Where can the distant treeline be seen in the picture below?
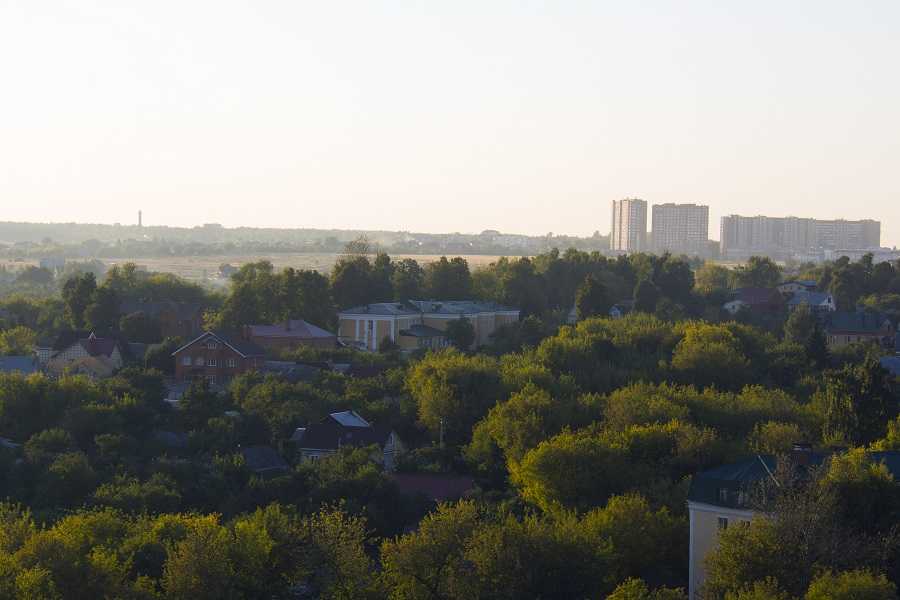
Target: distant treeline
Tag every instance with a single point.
(72, 240)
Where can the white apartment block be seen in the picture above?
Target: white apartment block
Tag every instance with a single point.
(629, 225)
(680, 228)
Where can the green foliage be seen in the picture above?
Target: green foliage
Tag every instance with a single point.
(77, 293)
(460, 333)
(456, 390)
(17, 341)
(856, 403)
(260, 295)
(141, 328)
(646, 296)
(448, 279)
(408, 280)
(591, 299)
(759, 272)
(636, 589)
(851, 585)
(713, 354)
(767, 589)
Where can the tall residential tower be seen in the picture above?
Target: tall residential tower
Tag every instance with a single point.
(629, 225)
(680, 228)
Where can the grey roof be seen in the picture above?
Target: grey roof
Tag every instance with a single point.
(458, 307)
(422, 331)
(332, 434)
(263, 459)
(25, 365)
(740, 476)
(292, 371)
(811, 298)
(293, 329)
(383, 309)
(892, 364)
(431, 307)
(857, 321)
(349, 418)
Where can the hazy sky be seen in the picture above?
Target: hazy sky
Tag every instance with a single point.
(446, 115)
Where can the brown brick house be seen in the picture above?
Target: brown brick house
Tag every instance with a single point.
(289, 335)
(217, 358)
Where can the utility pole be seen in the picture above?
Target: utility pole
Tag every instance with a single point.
(442, 432)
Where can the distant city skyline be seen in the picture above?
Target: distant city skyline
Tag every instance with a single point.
(441, 117)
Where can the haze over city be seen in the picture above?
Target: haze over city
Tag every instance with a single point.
(522, 117)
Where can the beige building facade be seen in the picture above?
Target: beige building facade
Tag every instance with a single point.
(419, 324)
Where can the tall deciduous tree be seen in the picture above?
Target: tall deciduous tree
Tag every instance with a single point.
(78, 292)
(591, 299)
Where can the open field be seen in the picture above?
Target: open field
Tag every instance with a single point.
(203, 267)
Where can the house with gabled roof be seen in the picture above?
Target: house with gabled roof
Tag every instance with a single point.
(85, 353)
(722, 497)
(850, 327)
(342, 429)
(217, 358)
(818, 302)
(263, 460)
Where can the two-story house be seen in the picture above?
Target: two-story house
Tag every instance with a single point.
(343, 429)
(849, 327)
(419, 323)
(818, 302)
(216, 357)
(723, 497)
(84, 353)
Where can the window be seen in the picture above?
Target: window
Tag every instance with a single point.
(186, 361)
(723, 523)
(199, 361)
(211, 345)
(211, 362)
(211, 379)
(723, 494)
(232, 363)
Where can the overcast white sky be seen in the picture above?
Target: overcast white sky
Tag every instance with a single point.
(446, 116)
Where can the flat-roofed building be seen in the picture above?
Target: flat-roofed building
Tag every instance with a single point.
(419, 323)
(680, 228)
(786, 237)
(629, 225)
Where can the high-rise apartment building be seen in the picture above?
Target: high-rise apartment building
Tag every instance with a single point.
(680, 228)
(629, 225)
(783, 237)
